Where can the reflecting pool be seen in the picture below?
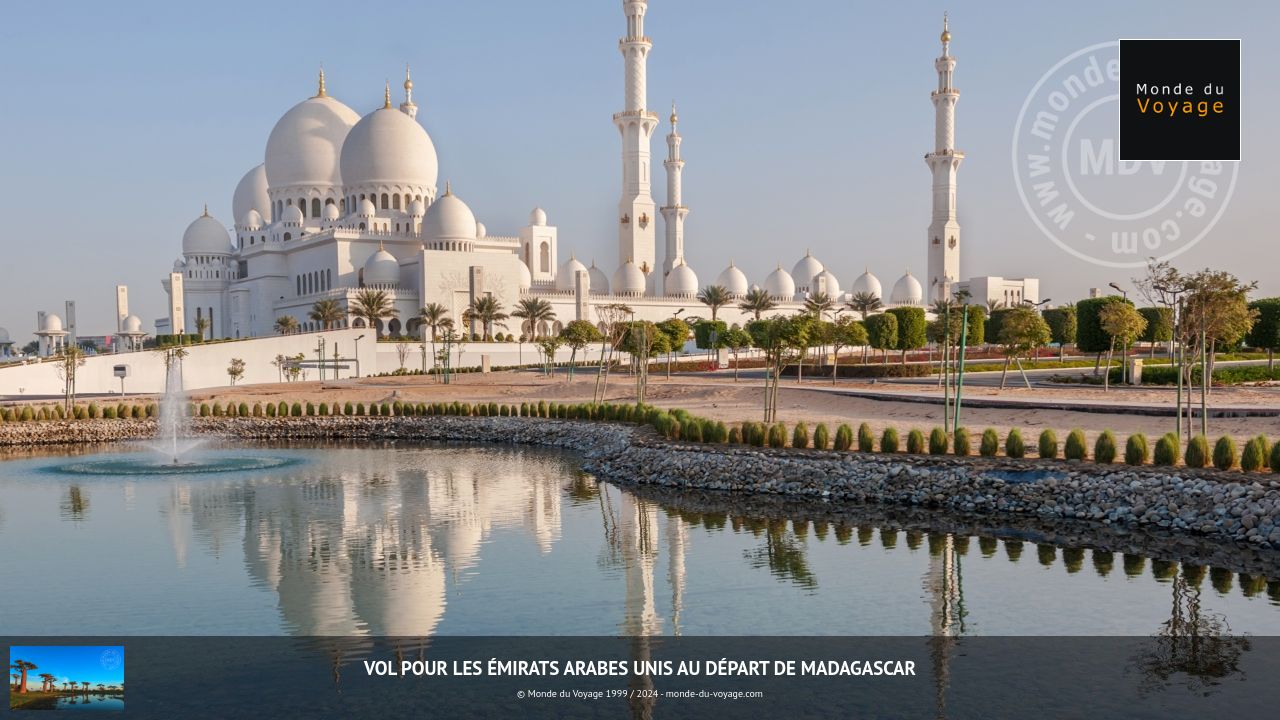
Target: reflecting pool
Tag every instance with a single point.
(410, 540)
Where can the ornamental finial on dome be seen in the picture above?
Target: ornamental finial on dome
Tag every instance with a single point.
(408, 80)
(320, 91)
(674, 118)
(386, 97)
(448, 187)
(206, 210)
(946, 32)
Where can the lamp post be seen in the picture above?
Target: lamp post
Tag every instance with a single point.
(358, 339)
(320, 355)
(1124, 351)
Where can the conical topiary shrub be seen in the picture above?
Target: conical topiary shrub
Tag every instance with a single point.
(1254, 457)
(821, 437)
(889, 441)
(1224, 453)
(1274, 460)
(1047, 446)
(1014, 446)
(1075, 447)
(1197, 452)
(866, 439)
(915, 442)
(800, 436)
(1135, 450)
(1104, 449)
(938, 441)
(778, 436)
(1166, 452)
(961, 444)
(989, 446)
(844, 437)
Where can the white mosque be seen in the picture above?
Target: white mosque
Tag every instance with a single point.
(343, 202)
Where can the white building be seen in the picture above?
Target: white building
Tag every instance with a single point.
(344, 202)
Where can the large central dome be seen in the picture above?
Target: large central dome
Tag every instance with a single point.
(304, 146)
(387, 148)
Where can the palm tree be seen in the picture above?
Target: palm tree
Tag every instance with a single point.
(374, 306)
(286, 324)
(757, 302)
(864, 302)
(818, 305)
(533, 312)
(994, 304)
(432, 316)
(326, 312)
(488, 312)
(202, 326)
(714, 297)
(23, 667)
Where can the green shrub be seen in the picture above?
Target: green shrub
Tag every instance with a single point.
(282, 409)
(778, 436)
(1076, 448)
(1197, 452)
(937, 441)
(1254, 457)
(800, 436)
(204, 410)
(961, 444)
(721, 433)
(231, 410)
(123, 411)
(1224, 453)
(257, 409)
(311, 409)
(218, 410)
(244, 409)
(1014, 446)
(271, 409)
(542, 409)
(693, 432)
(94, 411)
(493, 409)
(386, 409)
(108, 413)
(735, 435)
(866, 439)
(1047, 447)
(361, 411)
(1274, 460)
(915, 441)
(821, 437)
(296, 409)
(889, 440)
(153, 410)
(844, 437)
(1265, 444)
(139, 412)
(348, 408)
(1166, 452)
(1136, 450)
(1104, 449)
(757, 435)
(989, 445)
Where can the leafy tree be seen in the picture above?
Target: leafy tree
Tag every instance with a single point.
(736, 340)
(677, 332)
(864, 302)
(714, 297)
(703, 331)
(68, 363)
(912, 329)
(374, 306)
(845, 332)
(757, 302)
(235, 370)
(882, 332)
(577, 335)
(1062, 326)
(326, 313)
(1122, 323)
(780, 338)
(1090, 337)
(1159, 326)
(1265, 333)
(1022, 332)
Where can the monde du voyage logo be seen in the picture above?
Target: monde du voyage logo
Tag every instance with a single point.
(1126, 150)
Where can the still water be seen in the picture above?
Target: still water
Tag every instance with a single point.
(413, 540)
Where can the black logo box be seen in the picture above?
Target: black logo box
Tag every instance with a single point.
(1187, 68)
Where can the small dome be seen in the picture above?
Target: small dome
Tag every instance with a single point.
(331, 212)
(251, 220)
(805, 270)
(628, 280)
(538, 217)
(305, 144)
(481, 230)
(907, 291)
(4, 335)
(367, 208)
(206, 236)
(733, 280)
(780, 285)
(682, 282)
(417, 208)
(133, 324)
(833, 285)
(526, 277)
(251, 194)
(381, 269)
(179, 264)
(867, 283)
(599, 281)
(568, 274)
(387, 147)
(449, 218)
(52, 324)
(292, 215)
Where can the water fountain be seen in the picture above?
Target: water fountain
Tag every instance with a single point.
(172, 431)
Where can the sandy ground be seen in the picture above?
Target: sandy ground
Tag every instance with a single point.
(812, 401)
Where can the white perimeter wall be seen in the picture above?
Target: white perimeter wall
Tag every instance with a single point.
(204, 367)
(500, 355)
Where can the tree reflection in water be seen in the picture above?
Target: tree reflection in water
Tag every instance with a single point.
(784, 554)
(76, 505)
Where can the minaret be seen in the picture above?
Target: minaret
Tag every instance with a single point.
(407, 107)
(944, 161)
(674, 212)
(636, 221)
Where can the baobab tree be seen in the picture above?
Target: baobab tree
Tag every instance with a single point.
(23, 667)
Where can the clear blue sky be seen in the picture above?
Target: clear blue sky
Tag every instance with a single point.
(804, 125)
(78, 663)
